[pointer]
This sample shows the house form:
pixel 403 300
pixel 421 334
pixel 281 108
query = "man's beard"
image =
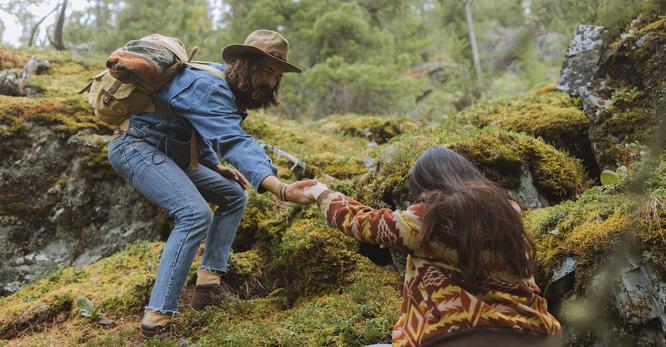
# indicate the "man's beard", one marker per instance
pixel 254 97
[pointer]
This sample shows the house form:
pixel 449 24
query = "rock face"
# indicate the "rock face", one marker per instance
pixel 621 87
pixel 582 59
pixel 61 205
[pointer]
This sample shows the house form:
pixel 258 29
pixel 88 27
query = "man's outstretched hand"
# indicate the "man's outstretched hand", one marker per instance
pixel 232 174
pixel 294 192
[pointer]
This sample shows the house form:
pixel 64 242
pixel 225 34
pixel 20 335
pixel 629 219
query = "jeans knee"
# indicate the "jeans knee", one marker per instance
pixel 204 214
pixel 239 199
pixel 199 215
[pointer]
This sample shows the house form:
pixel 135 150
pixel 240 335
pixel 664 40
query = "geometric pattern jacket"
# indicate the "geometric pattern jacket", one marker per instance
pixel 436 299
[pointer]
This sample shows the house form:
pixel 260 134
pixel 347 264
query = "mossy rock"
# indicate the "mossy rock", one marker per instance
pixel 322 152
pixel 550 115
pixel 589 227
pixel 632 79
pixel 59 106
pixel 12 59
pixel 360 313
pixel 503 156
pixel 118 285
pixel 613 233
pixel 378 129
pixel 313 257
pixel 261 213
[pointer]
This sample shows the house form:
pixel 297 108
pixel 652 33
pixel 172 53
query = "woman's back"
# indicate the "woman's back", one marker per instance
pixel 468 266
pixel 437 300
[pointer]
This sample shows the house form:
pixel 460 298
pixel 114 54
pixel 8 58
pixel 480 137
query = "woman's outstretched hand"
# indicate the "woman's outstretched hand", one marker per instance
pixel 313 192
pixel 294 192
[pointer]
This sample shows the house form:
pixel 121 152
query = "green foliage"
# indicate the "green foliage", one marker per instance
pixel 564 16
pixel 86 308
pixel 336 86
pixel 610 177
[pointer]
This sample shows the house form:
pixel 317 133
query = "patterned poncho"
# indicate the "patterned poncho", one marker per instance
pixel 437 301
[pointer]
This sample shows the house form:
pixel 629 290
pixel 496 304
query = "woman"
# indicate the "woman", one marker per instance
pixel 468 279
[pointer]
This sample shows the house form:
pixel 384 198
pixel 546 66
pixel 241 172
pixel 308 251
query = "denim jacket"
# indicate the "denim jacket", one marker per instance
pixel 201 100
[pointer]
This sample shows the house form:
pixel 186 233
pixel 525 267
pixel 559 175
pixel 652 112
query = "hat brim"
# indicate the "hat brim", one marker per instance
pixel 233 51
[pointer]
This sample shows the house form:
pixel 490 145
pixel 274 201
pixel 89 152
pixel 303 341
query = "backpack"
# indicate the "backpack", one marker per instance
pixel 135 71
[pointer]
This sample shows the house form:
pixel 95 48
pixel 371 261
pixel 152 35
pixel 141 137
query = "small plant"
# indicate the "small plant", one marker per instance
pixel 86 308
pixel 610 177
pixel 625 97
pixel 89 310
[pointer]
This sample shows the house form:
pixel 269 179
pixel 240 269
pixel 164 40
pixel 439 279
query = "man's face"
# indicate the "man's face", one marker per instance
pixel 265 78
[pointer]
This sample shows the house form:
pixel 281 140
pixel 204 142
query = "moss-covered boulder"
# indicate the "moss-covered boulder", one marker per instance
pixel 538 173
pixel 626 100
pixel 606 250
pixel 550 115
pixel 61 203
pixel 119 285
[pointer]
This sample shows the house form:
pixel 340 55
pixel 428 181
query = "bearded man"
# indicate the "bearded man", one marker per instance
pixel 156 156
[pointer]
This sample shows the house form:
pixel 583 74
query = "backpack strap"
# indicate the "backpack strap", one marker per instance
pixel 205 66
pixel 194 150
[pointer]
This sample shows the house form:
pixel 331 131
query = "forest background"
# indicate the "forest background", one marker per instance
pixel 384 57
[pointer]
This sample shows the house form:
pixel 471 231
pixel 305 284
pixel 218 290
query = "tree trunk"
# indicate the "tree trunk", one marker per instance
pixel 472 40
pixel 34 28
pixel 57 33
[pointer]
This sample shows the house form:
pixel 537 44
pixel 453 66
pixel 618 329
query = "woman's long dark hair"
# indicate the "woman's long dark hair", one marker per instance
pixel 474 211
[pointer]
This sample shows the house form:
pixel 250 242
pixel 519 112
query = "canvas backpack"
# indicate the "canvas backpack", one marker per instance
pixel 135 71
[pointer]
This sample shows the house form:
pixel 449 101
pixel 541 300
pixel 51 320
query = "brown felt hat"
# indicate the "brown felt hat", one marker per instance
pixel 263 42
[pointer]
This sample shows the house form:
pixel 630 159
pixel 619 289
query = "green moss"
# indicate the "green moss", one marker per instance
pixel 66 75
pixel 501 155
pixel 361 313
pixel 549 115
pixel 119 285
pixel 324 153
pixel 12 59
pixel 624 97
pixel 314 257
pixel 378 129
pixel 621 137
pixel 599 221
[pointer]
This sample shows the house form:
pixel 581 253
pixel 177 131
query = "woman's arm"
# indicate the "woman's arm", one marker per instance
pixel 384 227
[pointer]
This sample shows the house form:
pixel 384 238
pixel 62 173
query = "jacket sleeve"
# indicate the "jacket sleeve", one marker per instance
pixel 208 155
pixel 211 110
pixel 384 227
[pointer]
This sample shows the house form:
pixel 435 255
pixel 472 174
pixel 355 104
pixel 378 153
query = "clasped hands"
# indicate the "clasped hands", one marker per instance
pixel 305 192
pixel 302 192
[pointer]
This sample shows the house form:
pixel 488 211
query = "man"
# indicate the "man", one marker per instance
pixel 155 156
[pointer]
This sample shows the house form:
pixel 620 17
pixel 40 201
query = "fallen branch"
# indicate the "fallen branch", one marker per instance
pixel 281 153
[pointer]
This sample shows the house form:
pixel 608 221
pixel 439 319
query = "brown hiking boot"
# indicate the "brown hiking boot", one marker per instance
pixel 164 333
pixel 211 295
pixel 161 332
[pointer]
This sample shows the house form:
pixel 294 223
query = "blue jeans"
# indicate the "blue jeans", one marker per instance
pixel 170 182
